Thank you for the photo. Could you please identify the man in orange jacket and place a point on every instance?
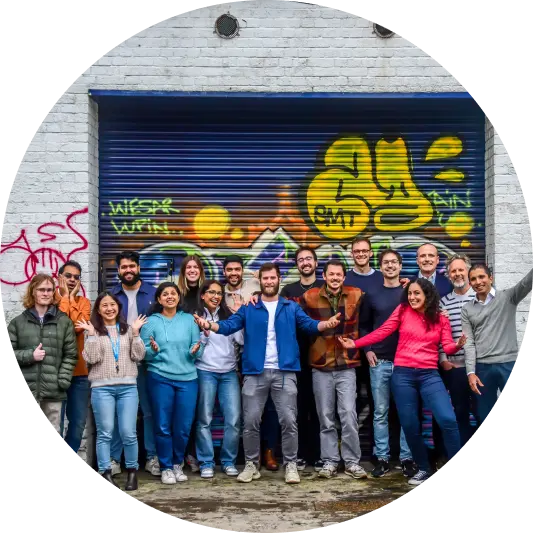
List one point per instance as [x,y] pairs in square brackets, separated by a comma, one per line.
[76,307]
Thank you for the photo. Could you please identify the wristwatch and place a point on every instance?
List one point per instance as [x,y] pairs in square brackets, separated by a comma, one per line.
[210,326]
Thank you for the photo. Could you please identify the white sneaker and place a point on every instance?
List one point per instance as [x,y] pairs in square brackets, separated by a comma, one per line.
[152,466]
[178,472]
[115,468]
[168,477]
[250,472]
[230,470]
[355,470]
[207,472]
[328,470]
[291,473]
[193,463]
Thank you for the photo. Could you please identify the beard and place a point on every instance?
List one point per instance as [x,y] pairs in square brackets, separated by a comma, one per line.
[308,272]
[268,291]
[130,282]
[459,284]
[234,284]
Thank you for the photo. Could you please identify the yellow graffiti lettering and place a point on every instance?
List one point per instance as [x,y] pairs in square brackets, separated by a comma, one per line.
[452,175]
[342,200]
[444,147]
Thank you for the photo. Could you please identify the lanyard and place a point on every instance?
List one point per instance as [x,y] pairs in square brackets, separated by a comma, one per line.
[115,345]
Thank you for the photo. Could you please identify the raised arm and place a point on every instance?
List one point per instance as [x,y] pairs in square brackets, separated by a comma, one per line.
[522,288]
[76,310]
[386,329]
[225,327]
[304,322]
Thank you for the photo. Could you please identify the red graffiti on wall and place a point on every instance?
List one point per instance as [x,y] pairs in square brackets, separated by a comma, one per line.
[47,258]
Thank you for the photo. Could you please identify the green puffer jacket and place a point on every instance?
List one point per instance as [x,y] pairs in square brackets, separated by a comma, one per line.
[50,378]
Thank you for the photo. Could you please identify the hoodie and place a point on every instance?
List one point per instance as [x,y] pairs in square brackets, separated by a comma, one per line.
[175,338]
[220,354]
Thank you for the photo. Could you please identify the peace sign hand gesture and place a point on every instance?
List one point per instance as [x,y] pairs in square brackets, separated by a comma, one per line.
[87,326]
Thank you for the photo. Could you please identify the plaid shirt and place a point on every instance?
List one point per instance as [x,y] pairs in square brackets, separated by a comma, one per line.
[326,353]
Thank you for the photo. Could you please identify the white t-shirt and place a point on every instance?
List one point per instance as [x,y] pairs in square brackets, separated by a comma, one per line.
[271,356]
[132,306]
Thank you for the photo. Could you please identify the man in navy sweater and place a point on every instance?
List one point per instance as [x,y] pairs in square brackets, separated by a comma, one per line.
[363,275]
[378,305]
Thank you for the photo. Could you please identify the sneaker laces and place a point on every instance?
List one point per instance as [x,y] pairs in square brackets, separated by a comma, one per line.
[249,466]
[291,467]
[420,474]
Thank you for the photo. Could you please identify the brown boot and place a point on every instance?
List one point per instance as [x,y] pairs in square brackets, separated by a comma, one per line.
[270,461]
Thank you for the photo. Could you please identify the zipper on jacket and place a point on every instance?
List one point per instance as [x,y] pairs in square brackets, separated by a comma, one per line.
[39,367]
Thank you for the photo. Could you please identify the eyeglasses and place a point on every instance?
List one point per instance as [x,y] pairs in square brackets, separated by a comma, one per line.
[390,262]
[44,291]
[360,252]
[305,259]
[214,293]
[68,275]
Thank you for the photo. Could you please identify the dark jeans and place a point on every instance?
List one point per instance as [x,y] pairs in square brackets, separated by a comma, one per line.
[493,376]
[76,408]
[408,385]
[456,381]
[270,427]
[173,408]
[308,425]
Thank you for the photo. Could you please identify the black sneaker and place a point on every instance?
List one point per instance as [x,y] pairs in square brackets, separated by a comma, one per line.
[300,464]
[419,477]
[409,468]
[381,468]
[319,465]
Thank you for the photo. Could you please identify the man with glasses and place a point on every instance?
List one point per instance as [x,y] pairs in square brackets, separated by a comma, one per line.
[377,307]
[76,307]
[308,426]
[363,275]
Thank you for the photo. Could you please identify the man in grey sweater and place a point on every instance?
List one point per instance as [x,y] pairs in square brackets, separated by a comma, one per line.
[489,323]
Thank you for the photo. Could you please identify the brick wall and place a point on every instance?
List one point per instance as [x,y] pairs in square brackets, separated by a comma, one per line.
[282,46]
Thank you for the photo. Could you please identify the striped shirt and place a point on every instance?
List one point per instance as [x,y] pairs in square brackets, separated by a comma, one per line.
[453,303]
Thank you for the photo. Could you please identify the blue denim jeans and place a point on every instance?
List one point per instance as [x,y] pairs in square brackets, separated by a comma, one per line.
[173,408]
[380,381]
[229,396]
[148,422]
[76,407]
[408,384]
[119,402]
[493,376]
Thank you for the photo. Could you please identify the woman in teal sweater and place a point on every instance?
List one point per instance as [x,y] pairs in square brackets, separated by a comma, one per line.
[172,341]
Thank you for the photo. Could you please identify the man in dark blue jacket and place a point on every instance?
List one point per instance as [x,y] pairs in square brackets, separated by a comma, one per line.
[269,362]
[136,297]
[427,259]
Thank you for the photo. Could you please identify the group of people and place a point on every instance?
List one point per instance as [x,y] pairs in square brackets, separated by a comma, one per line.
[176,349]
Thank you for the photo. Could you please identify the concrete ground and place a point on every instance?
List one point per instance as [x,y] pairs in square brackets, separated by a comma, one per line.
[269,504]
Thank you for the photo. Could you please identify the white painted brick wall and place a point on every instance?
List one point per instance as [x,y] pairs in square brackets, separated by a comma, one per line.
[282,46]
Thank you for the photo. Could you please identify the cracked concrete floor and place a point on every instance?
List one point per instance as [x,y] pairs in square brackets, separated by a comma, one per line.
[269,504]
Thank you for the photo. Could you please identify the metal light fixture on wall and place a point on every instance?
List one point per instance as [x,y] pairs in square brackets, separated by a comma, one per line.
[227,26]
[382,32]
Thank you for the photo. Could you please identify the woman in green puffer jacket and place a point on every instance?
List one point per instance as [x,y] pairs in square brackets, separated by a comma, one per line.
[44,342]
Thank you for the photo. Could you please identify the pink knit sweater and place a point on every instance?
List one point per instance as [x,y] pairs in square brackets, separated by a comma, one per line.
[418,345]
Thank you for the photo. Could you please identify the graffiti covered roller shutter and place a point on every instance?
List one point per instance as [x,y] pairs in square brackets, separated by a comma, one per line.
[260,176]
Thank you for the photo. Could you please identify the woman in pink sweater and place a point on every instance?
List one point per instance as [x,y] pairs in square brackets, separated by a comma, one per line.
[422,328]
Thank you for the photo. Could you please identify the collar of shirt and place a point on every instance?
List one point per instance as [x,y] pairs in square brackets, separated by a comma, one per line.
[369,273]
[431,278]
[489,297]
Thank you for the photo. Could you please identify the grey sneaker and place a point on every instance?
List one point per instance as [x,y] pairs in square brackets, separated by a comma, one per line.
[168,477]
[230,470]
[115,468]
[356,471]
[328,470]
[250,472]
[419,478]
[178,473]
[291,473]
[207,472]
[152,466]
[193,463]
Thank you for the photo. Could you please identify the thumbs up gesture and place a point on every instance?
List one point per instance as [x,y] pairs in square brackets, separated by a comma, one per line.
[39,353]
[333,322]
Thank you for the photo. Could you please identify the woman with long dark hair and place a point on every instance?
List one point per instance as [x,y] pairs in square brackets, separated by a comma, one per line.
[112,351]
[422,328]
[190,279]
[172,341]
[217,374]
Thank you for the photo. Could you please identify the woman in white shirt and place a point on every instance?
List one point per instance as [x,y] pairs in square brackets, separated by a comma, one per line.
[217,373]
